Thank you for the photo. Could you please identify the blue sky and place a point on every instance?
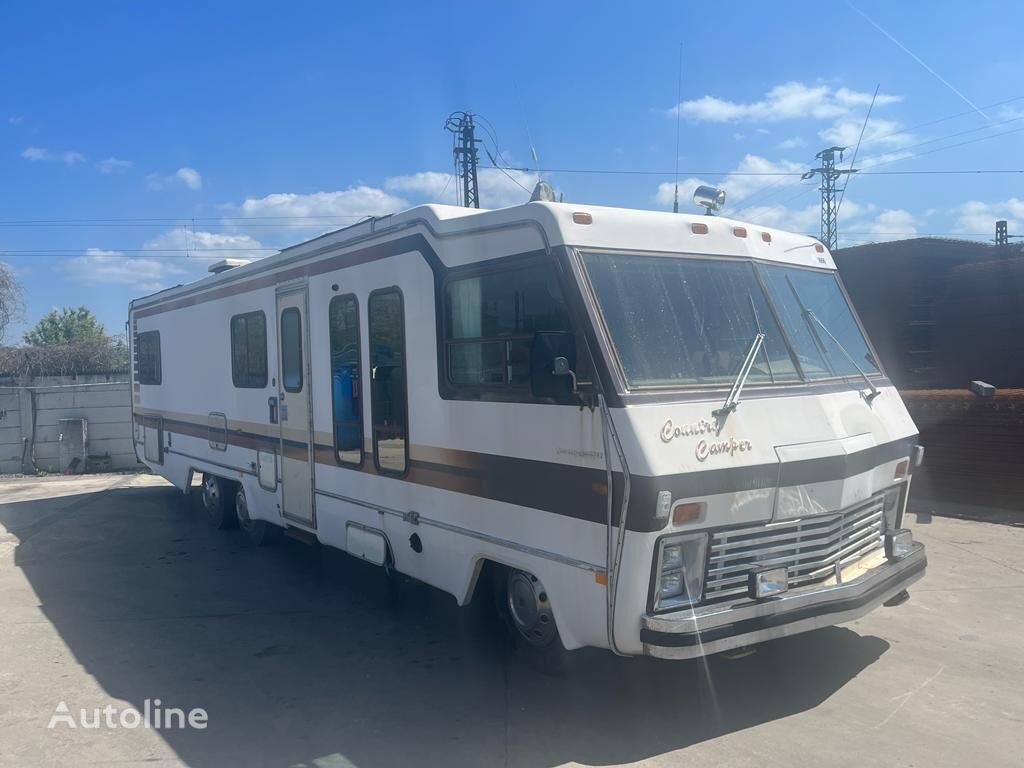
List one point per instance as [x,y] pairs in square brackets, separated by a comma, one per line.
[232,113]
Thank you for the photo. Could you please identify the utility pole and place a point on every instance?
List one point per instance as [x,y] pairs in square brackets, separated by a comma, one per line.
[465,154]
[829,174]
[1002,234]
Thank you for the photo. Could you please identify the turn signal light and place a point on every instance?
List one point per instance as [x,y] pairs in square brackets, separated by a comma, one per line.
[819,247]
[739,231]
[687,512]
[766,236]
[901,470]
[582,217]
[699,229]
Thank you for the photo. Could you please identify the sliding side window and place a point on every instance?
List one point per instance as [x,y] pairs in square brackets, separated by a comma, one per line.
[249,350]
[491,319]
[346,383]
[147,356]
[387,372]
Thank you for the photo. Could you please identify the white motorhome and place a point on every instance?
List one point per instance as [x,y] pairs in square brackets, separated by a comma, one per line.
[661,434]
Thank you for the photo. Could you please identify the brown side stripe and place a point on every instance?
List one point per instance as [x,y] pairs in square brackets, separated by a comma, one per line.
[563,489]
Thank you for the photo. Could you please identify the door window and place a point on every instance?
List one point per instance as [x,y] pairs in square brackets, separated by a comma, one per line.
[291,350]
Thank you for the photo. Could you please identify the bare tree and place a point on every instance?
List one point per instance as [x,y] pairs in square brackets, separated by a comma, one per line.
[12,303]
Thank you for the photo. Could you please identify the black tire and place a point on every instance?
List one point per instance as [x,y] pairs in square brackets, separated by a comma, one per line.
[522,603]
[260,532]
[218,502]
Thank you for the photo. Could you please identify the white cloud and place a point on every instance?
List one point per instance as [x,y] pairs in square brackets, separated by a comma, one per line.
[805,219]
[1009,113]
[846,131]
[779,216]
[206,246]
[794,142]
[42,154]
[294,216]
[498,188]
[113,165]
[15,119]
[783,102]
[324,209]
[863,99]
[189,177]
[102,267]
[890,224]
[978,217]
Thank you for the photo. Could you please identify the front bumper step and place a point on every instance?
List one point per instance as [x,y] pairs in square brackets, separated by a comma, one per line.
[711,629]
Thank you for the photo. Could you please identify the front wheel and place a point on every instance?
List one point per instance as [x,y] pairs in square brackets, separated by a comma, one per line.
[525,606]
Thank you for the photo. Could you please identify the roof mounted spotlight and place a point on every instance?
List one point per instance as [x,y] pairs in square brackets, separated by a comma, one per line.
[711,198]
[543,193]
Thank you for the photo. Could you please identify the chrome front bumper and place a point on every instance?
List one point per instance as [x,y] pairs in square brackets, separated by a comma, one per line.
[705,630]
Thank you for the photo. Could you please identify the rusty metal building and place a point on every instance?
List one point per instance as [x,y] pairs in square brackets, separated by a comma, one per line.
[941,313]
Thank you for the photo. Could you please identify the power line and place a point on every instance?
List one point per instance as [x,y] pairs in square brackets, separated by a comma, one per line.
[945,119]
[944,138]
[940,149]
[633,172]
[856,149]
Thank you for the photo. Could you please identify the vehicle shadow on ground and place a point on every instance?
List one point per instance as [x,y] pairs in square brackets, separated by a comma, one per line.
[303,656]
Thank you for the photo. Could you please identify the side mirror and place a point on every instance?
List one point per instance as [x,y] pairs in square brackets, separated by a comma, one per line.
[552,365]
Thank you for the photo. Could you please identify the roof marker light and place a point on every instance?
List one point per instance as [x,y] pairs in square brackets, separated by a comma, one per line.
[766,236]
[739,231]
[819,247]
[582,217]
[698,228]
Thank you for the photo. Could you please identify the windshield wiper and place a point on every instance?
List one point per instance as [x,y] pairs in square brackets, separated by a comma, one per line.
[810,318]
[733,398]
[874,390]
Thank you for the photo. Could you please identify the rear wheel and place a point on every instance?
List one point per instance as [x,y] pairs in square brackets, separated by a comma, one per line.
[260,532]
[524,605]
[217,493]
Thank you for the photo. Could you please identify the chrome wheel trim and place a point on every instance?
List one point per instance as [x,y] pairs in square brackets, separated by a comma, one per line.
[211,492]
[530,608]
[242,510]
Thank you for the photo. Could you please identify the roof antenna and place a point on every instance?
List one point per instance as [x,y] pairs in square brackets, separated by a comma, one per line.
[679,112]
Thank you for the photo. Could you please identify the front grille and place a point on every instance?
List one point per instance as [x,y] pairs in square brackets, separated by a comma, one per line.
[809,548]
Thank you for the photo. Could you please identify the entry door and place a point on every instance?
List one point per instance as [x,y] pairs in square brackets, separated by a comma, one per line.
[295,405]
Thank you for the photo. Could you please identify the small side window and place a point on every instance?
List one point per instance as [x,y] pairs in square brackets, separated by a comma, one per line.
[387,374]
[249,350]
[147,357]
[291,350]
[346,379]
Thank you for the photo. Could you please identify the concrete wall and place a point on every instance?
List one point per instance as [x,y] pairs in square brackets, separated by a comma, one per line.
[29,445]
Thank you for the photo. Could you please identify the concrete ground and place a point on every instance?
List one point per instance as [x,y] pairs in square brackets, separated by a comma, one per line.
[113,591]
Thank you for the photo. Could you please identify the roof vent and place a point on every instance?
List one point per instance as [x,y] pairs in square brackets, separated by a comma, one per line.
[225,264]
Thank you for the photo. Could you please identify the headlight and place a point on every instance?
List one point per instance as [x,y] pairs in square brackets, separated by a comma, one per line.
[671,558]
[679,580]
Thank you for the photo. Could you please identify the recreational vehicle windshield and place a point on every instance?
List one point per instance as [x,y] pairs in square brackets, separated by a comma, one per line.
[659,434]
